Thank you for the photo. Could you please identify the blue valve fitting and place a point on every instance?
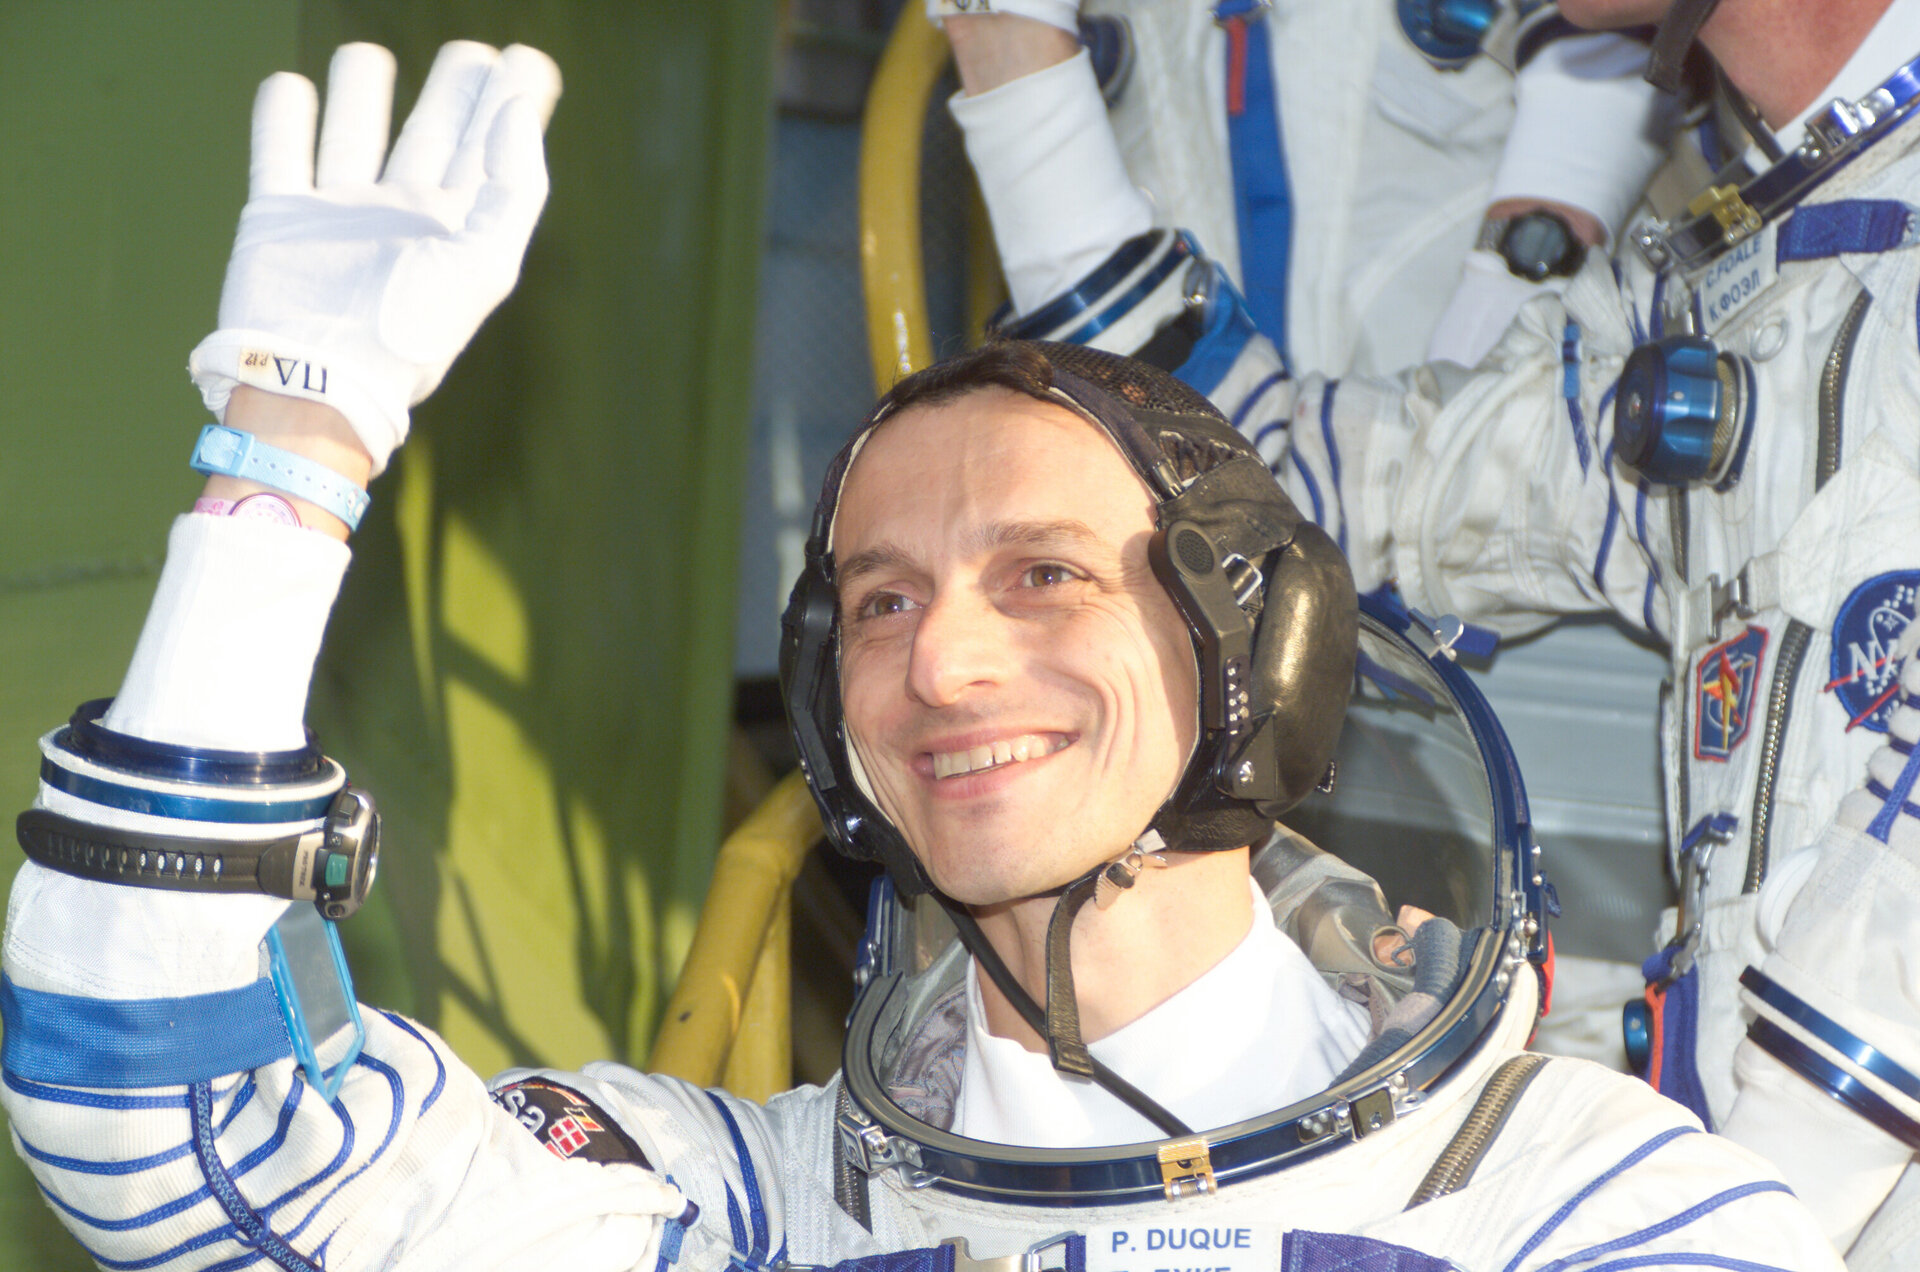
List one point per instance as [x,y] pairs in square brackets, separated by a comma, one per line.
[1675,411]
[1448,32]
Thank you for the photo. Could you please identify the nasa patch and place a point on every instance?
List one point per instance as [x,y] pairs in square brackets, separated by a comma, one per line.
[567,1122]
[1869,625]
[1723,689]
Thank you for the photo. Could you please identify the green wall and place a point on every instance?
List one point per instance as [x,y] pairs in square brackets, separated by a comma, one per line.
[530,663]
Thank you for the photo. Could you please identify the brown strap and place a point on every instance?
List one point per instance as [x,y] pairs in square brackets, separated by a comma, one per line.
[1673,39]
[1063,1008]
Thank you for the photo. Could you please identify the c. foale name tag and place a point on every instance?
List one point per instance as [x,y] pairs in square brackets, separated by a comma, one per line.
[1737,279]
[1183,1247]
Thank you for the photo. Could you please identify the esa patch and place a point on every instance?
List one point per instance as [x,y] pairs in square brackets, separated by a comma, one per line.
[567,1122]
[1723,688]
[1869,625]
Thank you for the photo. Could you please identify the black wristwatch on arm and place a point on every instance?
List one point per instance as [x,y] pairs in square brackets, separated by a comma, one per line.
[1536,245]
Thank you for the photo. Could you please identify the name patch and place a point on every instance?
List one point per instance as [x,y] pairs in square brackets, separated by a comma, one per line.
[1736,279]
[1870,623]
[1724,682]
[1183,1247]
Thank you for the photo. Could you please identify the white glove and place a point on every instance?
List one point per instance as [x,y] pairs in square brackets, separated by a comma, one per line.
[1482,308]
[357,287]
[1064,14]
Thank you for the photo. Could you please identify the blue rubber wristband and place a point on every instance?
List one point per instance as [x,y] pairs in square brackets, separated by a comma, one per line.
[228,452]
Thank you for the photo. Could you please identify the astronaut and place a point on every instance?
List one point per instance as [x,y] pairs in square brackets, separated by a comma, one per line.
[1061,651]
[1712,435]
[1414,193]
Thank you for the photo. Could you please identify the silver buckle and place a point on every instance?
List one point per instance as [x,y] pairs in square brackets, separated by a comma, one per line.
[1033,1259]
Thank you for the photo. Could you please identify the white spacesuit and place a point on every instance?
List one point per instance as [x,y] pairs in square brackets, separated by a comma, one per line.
[1361,161]
[1779,558]
[181,1087]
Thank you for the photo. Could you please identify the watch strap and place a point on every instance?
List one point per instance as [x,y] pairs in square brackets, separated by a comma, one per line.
[331,864]
[230,452]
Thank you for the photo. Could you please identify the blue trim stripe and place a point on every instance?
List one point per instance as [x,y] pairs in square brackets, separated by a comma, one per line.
[1666,1226]
[440,1075]
[393,1128]
[133,1166]
[1252,400]
[1653,566]
[1895,798]
[755,1205]
[1570,390]
[144,1042]
[1687,1259]
[1313,487]
[1831,1032]
[141,799]
[1086,293]
[1574,1202]
[1262,201]
[1333,456]
[1176,256]
[225,1232]
[89,1099]
[1611,523]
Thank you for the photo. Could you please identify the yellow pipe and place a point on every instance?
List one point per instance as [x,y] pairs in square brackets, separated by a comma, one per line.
[742,927]
[898,333]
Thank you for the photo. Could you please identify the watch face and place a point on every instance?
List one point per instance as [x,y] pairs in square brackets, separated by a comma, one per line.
[1539,244]
[266,507]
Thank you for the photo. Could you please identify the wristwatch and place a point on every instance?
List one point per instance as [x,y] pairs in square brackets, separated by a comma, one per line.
[331,865]
[1536,245]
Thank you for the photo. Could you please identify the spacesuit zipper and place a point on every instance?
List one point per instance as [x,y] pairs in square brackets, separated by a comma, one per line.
[850,1183]
[1793,651]
[1833,388]
[1457,1162]
[1793,645]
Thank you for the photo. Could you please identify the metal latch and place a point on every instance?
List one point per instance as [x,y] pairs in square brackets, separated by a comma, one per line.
[872,1149]
[1723,203]
[1042,1256]
[1186,1169]
[1371,1112]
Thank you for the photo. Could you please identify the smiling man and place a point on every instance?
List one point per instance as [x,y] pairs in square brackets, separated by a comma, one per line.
[1060,654]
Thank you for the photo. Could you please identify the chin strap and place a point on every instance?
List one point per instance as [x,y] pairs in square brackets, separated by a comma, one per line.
[1673,39]
[1060,1023]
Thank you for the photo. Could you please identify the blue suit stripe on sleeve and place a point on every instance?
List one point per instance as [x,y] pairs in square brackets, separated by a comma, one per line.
[1687,1259]
[1333,455]
[1313,488]
[325,1172]
[224,1232]
[133,1166]
[1665,1226]
[1574,1202]
[398,1089]
[1653,566]
[757,1254]
[440,1068]
[87,1166]
[1570,390]
[89,1099]
[1252,400]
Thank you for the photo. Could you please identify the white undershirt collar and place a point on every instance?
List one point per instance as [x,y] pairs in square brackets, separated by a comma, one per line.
[1254,1033]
